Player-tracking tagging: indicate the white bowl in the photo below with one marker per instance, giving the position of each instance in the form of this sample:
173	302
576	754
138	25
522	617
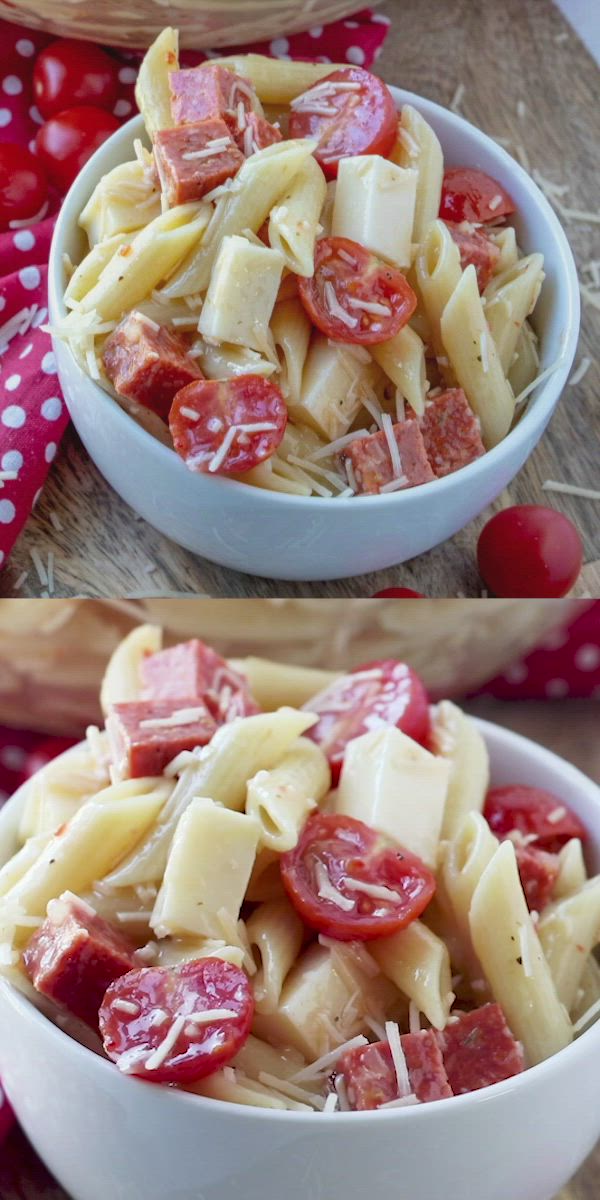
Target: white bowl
103	1134
309	538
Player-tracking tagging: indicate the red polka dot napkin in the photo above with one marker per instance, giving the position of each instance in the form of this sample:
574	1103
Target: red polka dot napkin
33	416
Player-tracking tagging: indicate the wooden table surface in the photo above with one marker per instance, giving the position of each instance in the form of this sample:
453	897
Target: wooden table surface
570	729
518	50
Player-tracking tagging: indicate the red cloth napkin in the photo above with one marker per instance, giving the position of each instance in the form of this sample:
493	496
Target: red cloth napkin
33	416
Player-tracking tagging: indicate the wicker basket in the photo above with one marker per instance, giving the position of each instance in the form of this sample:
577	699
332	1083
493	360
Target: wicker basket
53	652
201	23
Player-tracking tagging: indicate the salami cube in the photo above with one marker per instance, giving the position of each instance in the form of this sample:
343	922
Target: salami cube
479	1049
539	871
451	432
253	133
426	1070
195	669
74	956
370	460
475	248
147	363
208	91
193	159
144	735
371	1080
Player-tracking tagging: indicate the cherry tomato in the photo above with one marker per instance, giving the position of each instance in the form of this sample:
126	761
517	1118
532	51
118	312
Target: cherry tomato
245	417
478	249
7	1116
362	117
69	73
530	551
133	1031
346	277
23	186
530	810
47	750
538	871
378	694
66	141
332	858
396	593
471	195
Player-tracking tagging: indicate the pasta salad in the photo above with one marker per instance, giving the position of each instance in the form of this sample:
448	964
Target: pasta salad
315	908
288	287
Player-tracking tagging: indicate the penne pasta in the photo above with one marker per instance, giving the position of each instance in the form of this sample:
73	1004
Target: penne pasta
276	81
510	298
281	800
293	221
568	931
455	737
275	933
403	360
152	92
418	964
418	148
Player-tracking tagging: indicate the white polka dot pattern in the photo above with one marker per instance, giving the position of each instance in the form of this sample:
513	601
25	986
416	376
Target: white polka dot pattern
52	408
7	512
13	417
24	239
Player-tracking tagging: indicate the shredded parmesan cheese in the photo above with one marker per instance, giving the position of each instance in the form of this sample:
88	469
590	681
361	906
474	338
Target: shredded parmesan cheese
557	814
182	716
587	1017
570	489
414	1018
392	1033
376	890
221	454
338	444
212	1014
335	307
401	1102
331	1102
580	372
388	429
127	1006
164	1049
324	1064
286	1088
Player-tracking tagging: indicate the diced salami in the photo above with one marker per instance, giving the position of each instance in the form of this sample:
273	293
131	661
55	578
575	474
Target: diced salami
144	735
148	363
371	462
208	91
479	1049
371	1080
475	248
426	1070
539	872
193	159
451	432
255	134
193	669
74	956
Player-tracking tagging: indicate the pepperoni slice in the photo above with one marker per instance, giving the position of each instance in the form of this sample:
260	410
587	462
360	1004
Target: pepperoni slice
349	882
353	296
533	813
221	426
176	1025
471	195
379	693
478	249
349	112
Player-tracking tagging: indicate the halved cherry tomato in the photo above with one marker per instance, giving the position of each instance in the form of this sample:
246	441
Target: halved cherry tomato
240	423
529	550
478	249
23	186
471	195
333	857
530	810
396	593
144	1007
347	277
68	73
66	141
377	694
349	112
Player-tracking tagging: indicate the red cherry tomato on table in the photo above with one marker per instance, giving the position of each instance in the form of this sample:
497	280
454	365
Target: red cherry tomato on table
144	1007
396	593
529	551
23	186
532	811
347	276
66	141
69	73
333	857
378	694
362	117
240	423
471	195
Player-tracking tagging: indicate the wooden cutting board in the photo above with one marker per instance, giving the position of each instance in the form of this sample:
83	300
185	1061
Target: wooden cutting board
518	50
570	730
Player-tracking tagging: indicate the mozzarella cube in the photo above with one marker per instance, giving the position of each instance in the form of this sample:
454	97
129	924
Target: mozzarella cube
209	865
241	294
332	385
375	206
390	782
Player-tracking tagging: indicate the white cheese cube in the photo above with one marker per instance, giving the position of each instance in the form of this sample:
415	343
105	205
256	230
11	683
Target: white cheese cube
390	782
375	206
209	865
332	385
241	294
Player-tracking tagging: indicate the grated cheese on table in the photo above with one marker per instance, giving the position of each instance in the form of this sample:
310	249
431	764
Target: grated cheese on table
570	489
